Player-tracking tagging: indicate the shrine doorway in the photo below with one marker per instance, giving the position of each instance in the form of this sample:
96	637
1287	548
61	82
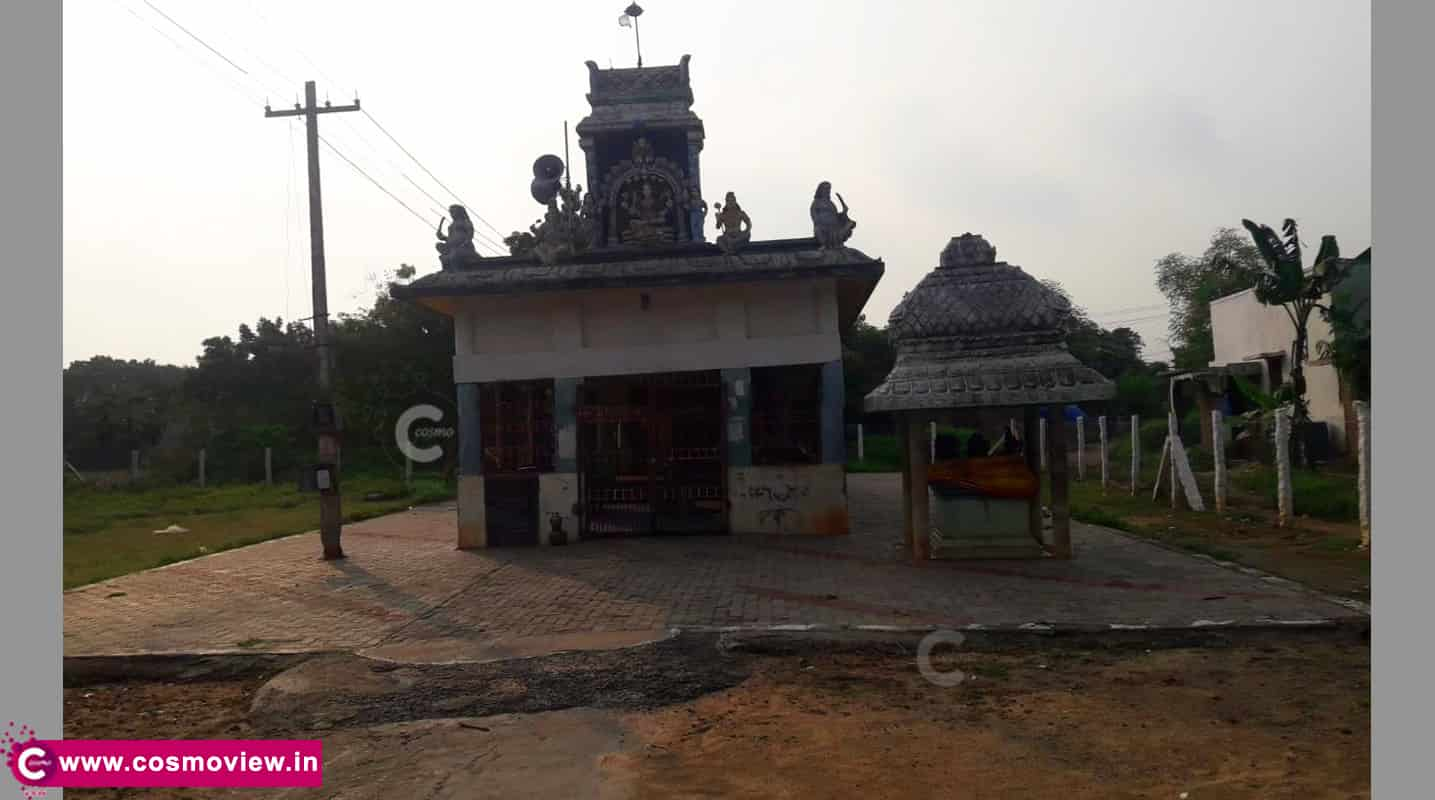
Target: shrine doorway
650	454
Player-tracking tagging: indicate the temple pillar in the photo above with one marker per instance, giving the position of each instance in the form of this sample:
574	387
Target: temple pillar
833	398
472	514
565	424
737	401
698	215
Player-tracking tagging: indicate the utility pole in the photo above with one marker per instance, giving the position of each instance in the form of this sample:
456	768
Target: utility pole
330	514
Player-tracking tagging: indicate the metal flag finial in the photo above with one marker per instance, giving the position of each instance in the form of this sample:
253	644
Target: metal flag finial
629	19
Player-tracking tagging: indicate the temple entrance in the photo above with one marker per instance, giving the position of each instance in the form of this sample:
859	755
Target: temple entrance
650	454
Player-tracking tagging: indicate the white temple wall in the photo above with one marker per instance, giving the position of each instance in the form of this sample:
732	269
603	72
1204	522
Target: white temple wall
617	332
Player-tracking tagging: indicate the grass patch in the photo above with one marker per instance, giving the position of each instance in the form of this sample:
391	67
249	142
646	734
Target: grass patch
1095	515
1323	495
110	532
883	454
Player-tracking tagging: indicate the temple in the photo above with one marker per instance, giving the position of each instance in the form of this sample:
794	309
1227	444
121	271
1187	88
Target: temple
619	374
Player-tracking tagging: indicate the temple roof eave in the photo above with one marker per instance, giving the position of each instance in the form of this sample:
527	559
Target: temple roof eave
999	378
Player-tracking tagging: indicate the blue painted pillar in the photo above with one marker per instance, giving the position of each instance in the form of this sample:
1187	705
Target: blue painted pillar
737	399
833	398
472	511
470	442
565	423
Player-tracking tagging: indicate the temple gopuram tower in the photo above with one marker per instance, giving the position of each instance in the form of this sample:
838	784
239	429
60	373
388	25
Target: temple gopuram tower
642	131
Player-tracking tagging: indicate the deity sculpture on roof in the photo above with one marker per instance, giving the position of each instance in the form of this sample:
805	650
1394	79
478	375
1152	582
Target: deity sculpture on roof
831	228
456	246
648	204
734	224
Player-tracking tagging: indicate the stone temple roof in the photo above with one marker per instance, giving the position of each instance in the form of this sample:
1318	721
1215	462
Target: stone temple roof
651	96
976	332
680	264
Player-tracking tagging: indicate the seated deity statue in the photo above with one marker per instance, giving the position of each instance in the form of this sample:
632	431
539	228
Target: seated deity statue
734	224
456	246
647	215
831	228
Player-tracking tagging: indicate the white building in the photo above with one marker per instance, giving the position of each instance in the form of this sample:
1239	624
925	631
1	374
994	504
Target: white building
1243	330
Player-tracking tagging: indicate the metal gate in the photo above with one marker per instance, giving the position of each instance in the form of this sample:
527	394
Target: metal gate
650	454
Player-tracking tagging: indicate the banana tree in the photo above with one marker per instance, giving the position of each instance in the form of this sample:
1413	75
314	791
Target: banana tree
1284	281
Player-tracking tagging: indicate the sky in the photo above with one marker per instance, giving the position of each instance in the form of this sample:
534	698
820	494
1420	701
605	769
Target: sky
1085	140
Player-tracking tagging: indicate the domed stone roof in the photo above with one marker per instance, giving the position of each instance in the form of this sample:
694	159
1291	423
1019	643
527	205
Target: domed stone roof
979	332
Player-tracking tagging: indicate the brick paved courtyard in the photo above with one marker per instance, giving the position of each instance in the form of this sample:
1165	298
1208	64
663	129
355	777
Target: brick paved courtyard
405	586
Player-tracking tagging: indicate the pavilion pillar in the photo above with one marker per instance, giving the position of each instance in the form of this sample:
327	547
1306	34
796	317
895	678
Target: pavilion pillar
918	451
737	399
1060	486
833	398
472	515
904	455
1030	427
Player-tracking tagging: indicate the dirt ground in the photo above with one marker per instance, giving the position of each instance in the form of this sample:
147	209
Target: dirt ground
1263	718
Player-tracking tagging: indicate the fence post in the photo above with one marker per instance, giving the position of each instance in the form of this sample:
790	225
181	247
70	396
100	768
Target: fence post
268	466
1105	471
932	442
1218	452
1173	433
861	445
1081	448
1041	443
1362	428
1284	498
1135	453
201	467
134	465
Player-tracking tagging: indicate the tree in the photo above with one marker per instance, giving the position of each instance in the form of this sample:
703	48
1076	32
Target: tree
867	356
1349	319
1283	281
1229	265
111	407
1116	354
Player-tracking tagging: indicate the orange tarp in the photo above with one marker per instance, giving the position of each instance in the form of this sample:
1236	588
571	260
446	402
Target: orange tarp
1005	476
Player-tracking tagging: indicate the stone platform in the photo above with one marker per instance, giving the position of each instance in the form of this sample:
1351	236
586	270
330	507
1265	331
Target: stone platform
406	592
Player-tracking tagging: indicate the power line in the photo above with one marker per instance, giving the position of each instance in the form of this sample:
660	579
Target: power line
361	171
430	173
1134	319
248	92
472	211
1131	310
196	38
